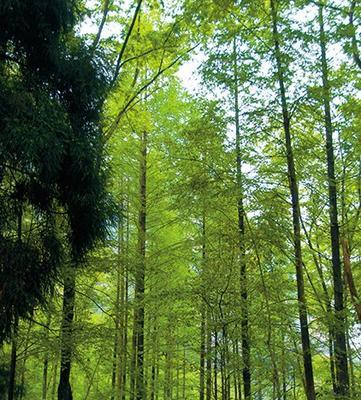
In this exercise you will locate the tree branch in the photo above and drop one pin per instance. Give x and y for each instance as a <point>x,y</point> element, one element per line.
<point>122,50</point>
<point>129,103</point>
<point>101,26</point>
<point>355,50</point>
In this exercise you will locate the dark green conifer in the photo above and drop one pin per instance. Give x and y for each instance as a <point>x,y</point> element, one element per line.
<point>52,177</point>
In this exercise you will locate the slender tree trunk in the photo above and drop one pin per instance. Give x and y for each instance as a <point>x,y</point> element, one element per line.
<point>46,361</point>
<point>44,390</point>
<point>168,382</point>
<point>354,46</point>
<point>122,381</point>
<point>13,357</point>
<point>355,297</point>
<point>318,264</point>
<point>342,378</point>
<point>138,331</point>
<point>202,350</point>
<point>154,359</point>
<point>284,374</point>
<point>119,309</point>
<point>202,354</point>
<point>177,378</point>
<point>346,238</point>
<point>265,292</point>
<point>55,374</point>
<point>302,307</point>
<point>64,387</point>
<point>215,367</point>
<point>21,393</point>
<point>13,360</point>
<point>350,360</point>
<point>238,374</point>
<point>246,348</point>
<point>116,354</point>
<point>208,357</point>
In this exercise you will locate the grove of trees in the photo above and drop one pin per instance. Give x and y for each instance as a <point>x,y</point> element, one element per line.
<point>180,200</point>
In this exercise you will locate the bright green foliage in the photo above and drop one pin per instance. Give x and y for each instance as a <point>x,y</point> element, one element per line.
<point>51,144</point>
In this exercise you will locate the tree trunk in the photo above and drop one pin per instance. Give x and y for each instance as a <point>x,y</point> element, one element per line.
<point>215,367</point>
<point>119,309</point>
<point>13,359</point>
<point>318,264</point>
<point>64,388</point>
<point>153,379</point>
<point>44,390</point>
<point>355,298</point>
<point>246,372</point>
<point>55,374</point>
<point>202,350</point>
<point>208,357</point>
<point>342,379</point>
<point>302,307</point>
<point>138,330</point>
<point>269,341</point>
<point>202,354</point>
<point>122,380</point>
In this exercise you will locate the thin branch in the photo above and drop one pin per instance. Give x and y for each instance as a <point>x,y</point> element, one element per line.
<point>145,53</point>
<point>129,103</point>
<point>355,50</point>
<point>101,26</point>
<point>122,50</point>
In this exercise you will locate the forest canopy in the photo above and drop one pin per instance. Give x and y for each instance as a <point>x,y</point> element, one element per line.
<point>180,200</point>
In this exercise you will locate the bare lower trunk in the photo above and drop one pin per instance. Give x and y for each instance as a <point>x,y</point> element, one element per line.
<point>202,355</point>
<point>46,361</point>
<point>139,392</point>
<point>13,360</point>
<point>64,387</point>
<point>208,358</point>
<point>246,348</point>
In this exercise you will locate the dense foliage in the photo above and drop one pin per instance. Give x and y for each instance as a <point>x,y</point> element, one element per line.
<point>50,160</point>
<point>230,134</point>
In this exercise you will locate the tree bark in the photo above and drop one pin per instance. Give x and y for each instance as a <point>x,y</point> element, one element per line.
<point>138,330</point>
<point>215,366</point>
<point>64,387</point>
<point>13,357</point>
<point>202,350</point>
<point>13,360</point>
<point>342,378</point>
<point>246,347</point>
<point>208,357</point>
<point>292,179</point>
<point>122,379</point>
<point>202,354</point>
<point>46,361</point>
<point>119,309</point>
<point>55,374</point>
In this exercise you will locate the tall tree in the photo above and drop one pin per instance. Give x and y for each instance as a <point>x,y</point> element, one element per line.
<point>246,372</point>
<point>47,74</point>
<point>138,389</point>
<point>293,185</point>
<point>342,388</point>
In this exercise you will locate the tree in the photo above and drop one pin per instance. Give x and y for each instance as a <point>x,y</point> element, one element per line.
<point>51,156</point>
<point>342,387</point>
<point>306,347</point>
